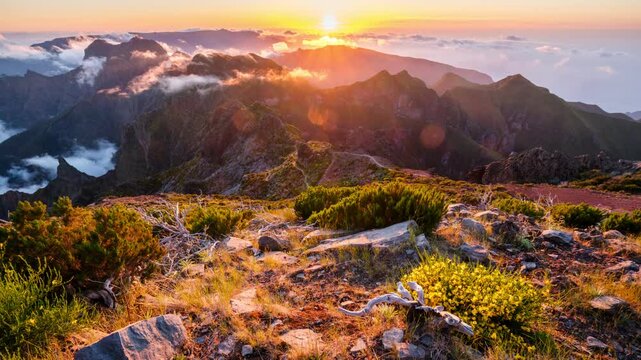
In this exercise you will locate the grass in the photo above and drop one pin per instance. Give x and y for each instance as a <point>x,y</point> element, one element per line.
<point>519,206</point>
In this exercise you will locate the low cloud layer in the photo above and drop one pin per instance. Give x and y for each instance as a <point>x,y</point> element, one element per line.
<point>34,173</point>
<point>176,84</point>
<point>7,132</point>
<point>90,69</point>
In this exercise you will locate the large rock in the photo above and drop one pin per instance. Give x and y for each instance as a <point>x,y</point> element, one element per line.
<point>245,302</point>
<point>302,339</point>
<point>474,252</point>
<point>268,243</point>
<point>474,228</point>
<point>608,303</point>
<point>622,267</point>
<point>392,337</point>
<point>324,234</point>
<point>557,237</point>
<point>410,352</point>
<point>156,338</point>
<point>235,244</point>
<point>613,234</point>
<point>386,238</point>
<point>534,166</point>
<point>506,230</point>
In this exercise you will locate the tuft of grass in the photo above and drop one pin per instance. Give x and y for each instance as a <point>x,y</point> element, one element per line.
<point>35,310</point>
<point>518,206</point>
<point>577,216</point>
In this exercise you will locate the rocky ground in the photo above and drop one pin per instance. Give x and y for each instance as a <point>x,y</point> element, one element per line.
<point>273,289</point>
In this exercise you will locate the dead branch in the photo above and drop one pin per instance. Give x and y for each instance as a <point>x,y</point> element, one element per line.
<point>405,299</point>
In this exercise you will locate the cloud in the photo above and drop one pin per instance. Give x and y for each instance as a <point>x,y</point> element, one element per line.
<point>176,62</point>
<point>176,84</point>
<point>327,41</point>
<point>548,49</point>
<point>280,47</point>
<point>6,132</point>
<point>90,70</point>
<point>143,55</point>
<point>35,172</point>
<point>514,38</point>
<point>561,63</point>
<point>606,69</point>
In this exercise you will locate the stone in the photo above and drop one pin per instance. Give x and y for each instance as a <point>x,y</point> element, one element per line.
<point>608,303</point>
<point>279,258</point>
<point>622,267</point>
<point>528,265</point>
<point>386,238</point>
<point>359,346</point>
<point>487,215</point>
<point>410,352</point>
<point>474,228</point>
<point>246,350</point>
<point>157,338</point>
<point>506,230</point>
<point>474,252</point>
<point>235,244</point>
<point>580,236</point>
<point>596,343</point>
<point>227,346</point>
<point>245,302</point>
<point>557,237</point>
<point>631,277</point>
<point>302,338</point>
<point>268,243</point>
<point>324,234</point>
<point>456,207</point>
<point>422,243</point>
<point>613,234</point>
<point>392,337</point>
<point>193,270</point>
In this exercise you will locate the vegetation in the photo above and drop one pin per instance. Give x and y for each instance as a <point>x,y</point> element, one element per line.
<point>627,223</point>
<point>500,307</point>
<point>318,198</point>
<point>34,310</point>
<point>381,205</point>
<point>595,179</point>
<point>517,206</point>
<point>82,244</point>
<point>577,216</point>
<point>216,221</point>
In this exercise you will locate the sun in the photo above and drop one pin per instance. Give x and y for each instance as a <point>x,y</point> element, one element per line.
<point>329,23</point>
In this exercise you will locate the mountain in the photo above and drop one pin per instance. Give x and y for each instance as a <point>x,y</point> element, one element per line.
<point>596,109</point>
<point>450,81</point>
<point>342,65</point>
<point>57,45</point>
<point>635,115</point>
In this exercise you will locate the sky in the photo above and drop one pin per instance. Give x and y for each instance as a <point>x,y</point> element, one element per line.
<point>583,50</point>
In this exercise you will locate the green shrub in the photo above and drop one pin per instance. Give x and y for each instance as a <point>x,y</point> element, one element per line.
<point>517,206</point>
<point>34,309</point>
<point>81,243</point>
<point>627,223</point>
<point>500,307</point>
<point>378,206</point>
<point>578,216</point>
<point>318,198</point>
<point>216,221</point>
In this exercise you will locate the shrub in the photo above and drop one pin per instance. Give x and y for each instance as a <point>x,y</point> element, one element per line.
<point>500,307</point>
<point>517,206</point>
<point>81,243</point>
<point>34,309</point>
<point>378,206</point>
<point>578,216</point>
<point>216,221</point>
<point>318,198</point>
<point>628,223</point>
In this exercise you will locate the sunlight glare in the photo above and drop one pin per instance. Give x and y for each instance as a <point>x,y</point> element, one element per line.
<point>330,23</point>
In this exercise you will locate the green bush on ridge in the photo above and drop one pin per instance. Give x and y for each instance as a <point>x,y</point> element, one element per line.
<point>318,198</point>
<point>216,221</point>
<point>517,206</point>
<point>381,205</point>
<point>578,216</point>
<point>627,223</point>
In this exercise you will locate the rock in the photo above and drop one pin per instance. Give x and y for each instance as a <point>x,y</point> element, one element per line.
<point>387,238</point>
<point>613,234</point>
<point>246,350</point>
<point>245,302</point>
<point>359,346</point>
<point>302,338</point>
<point>268,243</point>
<point>529,265</point>
<point>622,267</point>
<point>235,244</point>
<point>557,237</point>
<point>324,234</point>
<point>487,215</point>
<point>157,338</point>
<point>456,207</point>
<point>422,243</point>
<point>608,303</point>
<point>279,258</point>
<point>193,270</point>
<point>227,346</point>
<point>474,252</point>
<point>506,230</point>
<point>580,236</point>
<point>410,352</point>
<point>474,228</point>
<point>631,277</point>
<point>392,337</point>
<point>596,343</point>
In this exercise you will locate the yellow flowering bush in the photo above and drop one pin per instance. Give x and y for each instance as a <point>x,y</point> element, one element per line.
<point>500,307</point>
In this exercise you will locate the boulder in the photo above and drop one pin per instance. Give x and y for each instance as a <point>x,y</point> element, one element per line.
<point>506,230</point>
<point>613,234</point>
<point>557,237</point>
<point>268,243</point>
<point>157,338</point>
<point>608,303</point>
<point>474,228</point>
<point>596,343</point>
<point>302,339</point>
<point>392,337</point>
<point>324,234</point>
<point>235,244</point>
<point>487,215</point>
<point>410,351</point>
<point>622,267</point>
<point>387,238</point>
<point>245,302</point>
<point>474,252</point>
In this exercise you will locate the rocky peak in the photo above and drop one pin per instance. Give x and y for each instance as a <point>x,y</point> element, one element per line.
<point>102,48</point>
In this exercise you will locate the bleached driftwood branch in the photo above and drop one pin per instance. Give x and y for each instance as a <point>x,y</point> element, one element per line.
<point>404,298</point>
<point>179,242</point>
<point>105,295</point>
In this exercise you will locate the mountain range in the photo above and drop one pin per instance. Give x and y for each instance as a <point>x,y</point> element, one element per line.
<point>245,124</point>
